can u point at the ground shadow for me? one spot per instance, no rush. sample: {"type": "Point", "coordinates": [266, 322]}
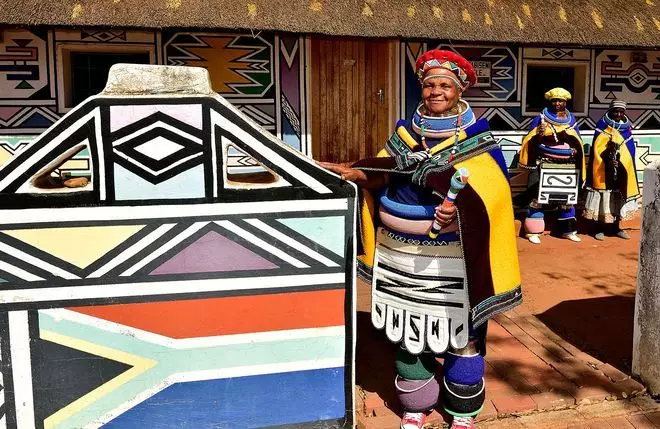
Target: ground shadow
{"type": "Point", "coordinates": [375, 354]}
{"type": "Point", "coordinates": [601, 327]}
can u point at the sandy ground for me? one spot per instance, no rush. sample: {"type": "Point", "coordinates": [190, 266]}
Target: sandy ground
{"type": "Point", "coordinates": [585, 292]}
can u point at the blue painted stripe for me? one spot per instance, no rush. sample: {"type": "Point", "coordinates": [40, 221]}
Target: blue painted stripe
{"type": "Point", "coordinates": [242, 402]}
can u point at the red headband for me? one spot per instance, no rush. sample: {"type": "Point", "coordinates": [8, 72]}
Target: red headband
{"type": "Point", "coordinates": [448, 60]}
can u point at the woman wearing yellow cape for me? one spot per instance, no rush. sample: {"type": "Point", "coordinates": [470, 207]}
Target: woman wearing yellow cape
{"type": "Point", "coordinates": [611, 175]}
{"type": "Point", "coordinates": [553, 153]}
{"type": "Point", "coordinates": [433, 294]}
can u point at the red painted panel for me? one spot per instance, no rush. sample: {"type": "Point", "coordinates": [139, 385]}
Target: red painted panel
{"type": "Point", "coordinates": [226, 316]}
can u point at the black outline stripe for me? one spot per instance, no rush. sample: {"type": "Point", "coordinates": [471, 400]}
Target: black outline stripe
{"type": "Point", "coordinates": [421, 277]}
{"type": "Point", "coordinates": [383, 287]}
{"type": "Point", "coordinates": [289, 250]}
{"type": "Point", "coordinates": [32, 269]}
{"type": "Point", "coordinates": [274, 223]}
{"type": "Point", "coordinates": [33, 329]}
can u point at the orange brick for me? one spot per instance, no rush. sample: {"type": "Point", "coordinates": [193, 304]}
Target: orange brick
{"type": "Point", "coordinates": [612, 373]}
{"type": "Point", "coordinates": [639, 421]}
{"type": "Point", "coordinates": [555, 399]}
{"type": "Point", "coordinates": [513, 404]}
{"type": "Point", "coordinates": [629, 387]}
{"type": "Point", "coordinates": [388, 421]}
{"type": "Point", "coordinates": [372, 402]}
{"type": "Point", "coordinates": [619, 423]}
{"type": "Point", "coordinates": [488, 413]}
{"type": "Point", "coordinates": [654, 418]}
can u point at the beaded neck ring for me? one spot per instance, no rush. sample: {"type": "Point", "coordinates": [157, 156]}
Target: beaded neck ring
{"type": "Point", "coordinates": [457, 124]}
{"type": "Point", "coordinates": [454, 148]}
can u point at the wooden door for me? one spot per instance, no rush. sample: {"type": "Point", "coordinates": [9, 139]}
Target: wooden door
{"type": "Point", "coordinates": [351, 98]}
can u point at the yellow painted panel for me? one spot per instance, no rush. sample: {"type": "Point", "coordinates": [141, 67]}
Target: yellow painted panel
{"type": "Point", "coordinates": [4, 156]}
{"type": "Point", "coordinates": [79, 246]}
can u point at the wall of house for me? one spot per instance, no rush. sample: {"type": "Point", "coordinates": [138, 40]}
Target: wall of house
{"type": "Point", "coordinates": [501, 92]}
{"type": "Point", "coordinates": [264, 75]}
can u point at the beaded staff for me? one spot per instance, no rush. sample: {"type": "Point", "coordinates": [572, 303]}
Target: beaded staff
{"type": "Point", "coordinates": [457, 182]}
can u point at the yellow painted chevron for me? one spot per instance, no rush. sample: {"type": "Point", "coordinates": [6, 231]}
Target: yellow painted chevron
{"type": "Point", "coordinates": [139, 365]}
{"type": "Point", "coordinates": [4, 155]}
{"type": "Point", "coordinates": [79, 246]}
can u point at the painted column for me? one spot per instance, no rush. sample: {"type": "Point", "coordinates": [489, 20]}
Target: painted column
{"type": "Point", "coordinates": [646, 337]}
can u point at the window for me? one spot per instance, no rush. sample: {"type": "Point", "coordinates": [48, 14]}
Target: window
{"type": "Point", "coordinates": [84, 68]}
{"type": "Point", "coordinates": [539, 77]}
{"type": "Point", "coordinates": [89, 71]}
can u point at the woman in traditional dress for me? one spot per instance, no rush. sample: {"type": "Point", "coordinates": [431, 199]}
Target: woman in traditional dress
{"type": "Point", "coordinates": [554, 142]}
{"type": "Point", "coordinates": [433, 292]}
{"type": "Point", "coordinates": [611, 175]}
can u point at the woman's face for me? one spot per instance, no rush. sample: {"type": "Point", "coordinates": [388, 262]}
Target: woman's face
{"type": "Point", "coordinates": [439, 94]}
{"type": "Point", "coordinates": [558, 104]}
{"type": "Point", "coordinates": [617, 114]}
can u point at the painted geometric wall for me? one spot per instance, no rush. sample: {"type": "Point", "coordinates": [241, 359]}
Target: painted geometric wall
{"type": "Point", "coordinates": [263, 75]}
{"type": "Point", "coordinates": [27, 81]}
{"type": "Point", "coordinates": [167, 289]}
{"type": "Point", "coordinates": [499, 93]}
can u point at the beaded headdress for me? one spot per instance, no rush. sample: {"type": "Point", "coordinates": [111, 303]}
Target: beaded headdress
{"type": "Point", "coordinates": [617, 104]}
{"type": "Point", "coordinates": [558, 93]}
{"type": "Point", "coordinates": [460, 69]}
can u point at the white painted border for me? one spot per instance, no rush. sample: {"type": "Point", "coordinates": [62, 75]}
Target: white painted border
{"type": "Point", "coordinates": [19, 337]}
{"type": "Point", "coordinates": [74, 293]}
{"type": "Point", "coordinates": [194, 342]}
{"type": "Point", "coordinates": [50, 215]}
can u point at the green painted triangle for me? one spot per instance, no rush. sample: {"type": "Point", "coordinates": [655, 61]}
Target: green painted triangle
{"type": "Point", "coordinates": [326, 231]}
{"type": "Point", "coordinates": [3, 281]}
{"type": "Point", "coordinates": [24, 85]}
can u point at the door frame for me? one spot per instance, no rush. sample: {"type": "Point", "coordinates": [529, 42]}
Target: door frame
{"type": "Point", "coordinates": [394, 73]}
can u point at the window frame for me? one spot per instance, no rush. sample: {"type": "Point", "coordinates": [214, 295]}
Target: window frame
{"type": "Point", "coordinates": [581, 100]}
{"type": "Point", "coordinates": [64, 69]}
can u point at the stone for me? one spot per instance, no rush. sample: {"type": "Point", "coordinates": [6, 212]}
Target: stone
{"type": "Point", "coordinates": [141, 79]}
{"type": "Point", "coordinates": [646, 333]}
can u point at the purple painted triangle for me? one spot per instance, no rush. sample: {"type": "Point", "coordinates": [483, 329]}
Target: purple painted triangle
{"type": "Point", "coordinates": [214, 253]}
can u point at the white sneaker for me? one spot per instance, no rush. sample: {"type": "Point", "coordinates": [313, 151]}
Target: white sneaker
{"type": "Point", "coordinates": [573, 237]}
{"type": "Point", "coordinates": [413, 420]}
{"type": "Point", "coordinates": [463, 423]}
{"type": "Point", "coordinates": [534, 238]}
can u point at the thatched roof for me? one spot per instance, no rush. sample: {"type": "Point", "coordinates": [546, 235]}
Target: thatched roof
{"type": "Point", "coordinates": [575, 22]}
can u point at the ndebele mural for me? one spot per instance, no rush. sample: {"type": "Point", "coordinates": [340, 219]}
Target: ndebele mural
{"type": "Point", "coordinates": [198, 274]}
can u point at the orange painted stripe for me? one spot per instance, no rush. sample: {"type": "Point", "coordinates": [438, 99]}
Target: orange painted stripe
{"type": "Point", "coordinates": [226, 316]}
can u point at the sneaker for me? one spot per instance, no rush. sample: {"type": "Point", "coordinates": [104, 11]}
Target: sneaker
{"type": "Point", "coordinates": [463, 423]}
{"type": "Point", "coordinates": [600, 236]}
{"type": "Point", "coordinates": [413, 420]}
{"type": "Point", "coordinates": [623, 234]}
{"type": "Point", "coordinates": [534, 238]}
{"type": "Point", "coordinates": [573, 237]}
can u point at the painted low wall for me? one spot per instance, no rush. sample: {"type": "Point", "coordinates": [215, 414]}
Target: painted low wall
{"type": "Point", "coordinates": [646, 334]}
{"type": "Point", "coordinates": [647, 144]}
{"type": "Point", "coordinates": [173, 289]}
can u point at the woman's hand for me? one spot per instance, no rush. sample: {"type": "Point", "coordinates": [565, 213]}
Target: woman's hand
{"type": "Point", "coordinates": [445, 215]}
{"type": "Point", "coordinates": [541, 129]}
{"type": "Point", "coordinates": [346, 172]}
